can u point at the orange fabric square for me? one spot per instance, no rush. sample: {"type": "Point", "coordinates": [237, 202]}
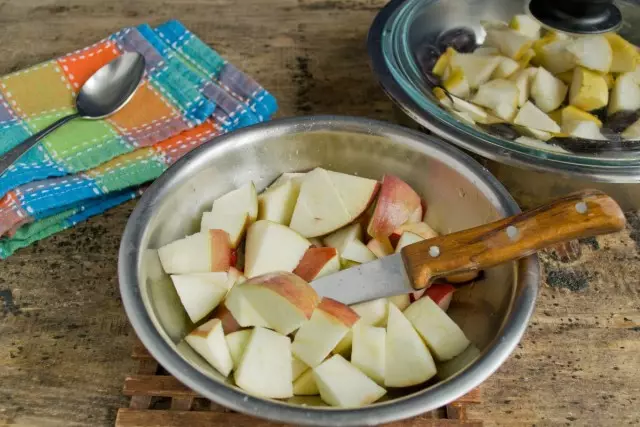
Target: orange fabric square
{"type": "Point", "coordinates": [146, 108]}
{"type": "Point", "coordinates": [40, 89]}
{"type": "Point", "coordinates": [80, 65]}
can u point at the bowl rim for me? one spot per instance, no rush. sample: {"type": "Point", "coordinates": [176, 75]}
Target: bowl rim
{"type": "Point", "coordinates": [129, 259]}
{"type": "Point", "coordinates": [502, 154]}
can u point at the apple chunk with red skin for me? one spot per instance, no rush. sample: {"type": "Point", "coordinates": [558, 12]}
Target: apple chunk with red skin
{"type": "Point", "coordinates": [208, 341]}
{"type": "Point", "coordinates": [199, 253]}
{"type": "Point", "coordinates": [381, 247]}
{"type": "Point", "coordinates": [318, 262]}
{"type": "Point", "coordinates": [200, 293]}
{"type": "Point", "coordinates": [441, 294]}
{"type": "Point", "coordinates": [282, 299]}
{"type": "Point", "coordinates": [396, 203]}
{"type": "Point", "coordinates": [329, 323]}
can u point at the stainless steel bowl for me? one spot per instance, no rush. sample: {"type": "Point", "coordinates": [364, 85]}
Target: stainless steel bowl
{"type": "Point", "coordinates": [460, 194]}
{"type": "Point", "coordinates": [402, 31]}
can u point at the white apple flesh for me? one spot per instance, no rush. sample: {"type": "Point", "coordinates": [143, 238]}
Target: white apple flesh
{"type": "Point", "coordinates": [368, 351]}
{"type": "Point", "coordinates": [208, 341]}
{"type": "Point", "coordinates": [200, 293]}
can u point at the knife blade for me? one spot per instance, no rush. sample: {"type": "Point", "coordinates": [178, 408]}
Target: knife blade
{"type": "Point", "coordinates": [381, 278]}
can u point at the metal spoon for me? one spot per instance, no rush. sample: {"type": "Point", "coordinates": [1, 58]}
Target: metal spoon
{"type": "Point", "coordinates": [106, 92]}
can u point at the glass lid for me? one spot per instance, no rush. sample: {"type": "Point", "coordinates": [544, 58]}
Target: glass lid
{"type": "Point", "coordinates": [486, 75]}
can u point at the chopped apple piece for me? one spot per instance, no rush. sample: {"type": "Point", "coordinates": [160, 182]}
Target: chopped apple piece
{"type": "Point", "coordinates": [396, 202]}
{"type": "Point", "coordinates": [525, 60]}
{"type": "Point", "coordinates": [442, 96]}
{"type": "Point", "coordinates": [350, 247]}
{"type": "Point", "coordinates": [368, 352]}
{"type": "Point", "coordinates": [208, 341]}
{"type": "Point", "coordinates": [625, 95]}
{"type": "Point", "coordinates": [441, 294]}
{"type": "Point", "coordinates": [239, 202]}
{"type": "Point", "coordinates": [416, 216]}
{"type": "Point", "coordinates": [632, 132]}
{"type": "Point", "coordinates": [318, 262]}
{"type": "Point", "coordinates": [461, 361]}
{"type": "Point", "coordinates": [298, 368]}
{"type": "Point", "coordinates": [547, 91]}
{"type": "Point", "coordinates": [625, 54]}
{"type": "Point", "coordinates": [532, 117]}
{"type": "Point", "coordinates": [242, 311]}
{"type": "Point", "coordinates": [199, 253]}
{"type": "Point", "coordinates": [407, 360]}
{"type": "Point", "coordinates": [200, 293]}
{"type": "Point", "coordinates": [265, 367]}
{"type": "Point", "coordinates": [305, 385]}
{"type": "Point", "coordinates": [588, 90]}
{"type": "Point", "coordinates": [587, 130]}
{"type": "Point", "coordinates": [277, 203]}
{"type": "Point", "coordinates": [381, 247]}
{"type": "Point", "coordinates": [499, 95]}
{"type": "Point", "coordinates": [272, 247]}
{"type": "Point", "coordinates": [283, 299]}
{"type": "Point", "coordinates": [234, 224]}
{"type": "Point", "coordinates": [237, 342]}
{"type": "Point", "coordinates": [407, 239]}
{"type": "Point", "coordinates": [329, 200]}
{"type": "Point", "coordinates": [371, 313]}
{"type": "Point", "coordinates": [476, 68]}
{"type": "Point", "coordinates": [487, 51]}
{"type": "Point", "coordinates": [573, 114]}
{"type": "Point", "coordinates": [592, 52]}
{"type": "Point", "coordinates": [478, 114]}
{"type": "Point", "coordinates": [329, 323]}
{"type": "Point", "coordinates": [510, 42]}
{"type": "Point", "coordinates": [400, 301]}
{"type": "Point", "coordinates": [342, 384]}
{"type": "Point", "coordinates": [505, 68]}
{"type": "Point", "coordinates": [555, 56]}
{"type": "Point", "coordinates": [456, 83]}
{"type": "Point", "coordinates": [526, 25]}
{"type": "Point", "coordinates": [444, 338]}
{"type": "Point", "coordinates": [523, 79]}
{"type": "Point", "coordinates": [443, 62]}
{"type": "Point", "coordinates": [229, 323]}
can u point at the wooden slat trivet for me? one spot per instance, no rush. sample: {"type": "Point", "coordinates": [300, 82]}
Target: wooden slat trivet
{"type": "Point", "coordinates": [160, 400]}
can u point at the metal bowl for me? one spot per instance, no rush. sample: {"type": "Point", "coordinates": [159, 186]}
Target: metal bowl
{"type": "Point", "coordinates": [460, 193]}
{"type": "Point", "coordinates": [403, 33]}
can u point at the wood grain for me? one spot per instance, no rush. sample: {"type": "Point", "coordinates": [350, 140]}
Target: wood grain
{"type": "Point", "coordinates": [65, 343]}
{"type": "Point", "coordinates": [584, 214]}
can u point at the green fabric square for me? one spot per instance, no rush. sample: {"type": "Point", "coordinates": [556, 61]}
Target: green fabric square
{"type": "Point", "coordinates": [82, 144]}
{"type": "Point", "coordinates": [130, 174]}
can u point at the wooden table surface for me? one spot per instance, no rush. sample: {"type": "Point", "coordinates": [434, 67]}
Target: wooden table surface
{"type": "Point", "coordinates": [64, 339]}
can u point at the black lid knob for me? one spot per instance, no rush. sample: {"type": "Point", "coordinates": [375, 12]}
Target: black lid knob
{"type": "Point", "coordinates": [577, 16]}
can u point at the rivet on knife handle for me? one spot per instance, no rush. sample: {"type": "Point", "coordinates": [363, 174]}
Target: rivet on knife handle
{"type": "Point", "coordinates": [579, 215]}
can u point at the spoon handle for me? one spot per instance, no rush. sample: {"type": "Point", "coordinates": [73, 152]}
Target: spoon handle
{"type": "Point", "coordinates": [584, 214]}
{"type": "Point", "coordinates": [7, 159]}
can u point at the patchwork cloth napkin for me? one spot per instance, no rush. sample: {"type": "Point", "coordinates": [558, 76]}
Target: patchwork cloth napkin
{"type": "Point", "coordinates": [188, 96]}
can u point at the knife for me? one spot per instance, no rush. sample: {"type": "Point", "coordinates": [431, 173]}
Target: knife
{"type": "Point", "coordinates": [579, 215]}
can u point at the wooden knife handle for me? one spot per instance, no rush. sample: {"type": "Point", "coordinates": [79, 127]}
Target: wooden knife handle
{"type": "Point", "coordinates": [583, 214]}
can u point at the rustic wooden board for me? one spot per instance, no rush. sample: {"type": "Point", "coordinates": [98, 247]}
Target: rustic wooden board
{"type": "Point", "coordinates": [64, 341]}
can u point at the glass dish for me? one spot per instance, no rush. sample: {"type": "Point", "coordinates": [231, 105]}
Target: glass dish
{"type": "Point", "coordinates": [401, 37]}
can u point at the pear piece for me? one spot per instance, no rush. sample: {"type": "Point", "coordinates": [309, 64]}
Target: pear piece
{"type": "Point", "coordinates": [625, 54]}
{"type": "Point", "coordinates": [499, 95]}
{"type": "Point", "coordinates": [592, 52]}
{"type": "Point", "coordinates": [532, 117]}
{"type": "Point", "coordinates": [547, 91]}
{"type": "Point", "coordinates": [476, 68]}
{"type": "Point", "coordinates": [625, 95]}
{"type": "Point", "coordinates": [588, 90]}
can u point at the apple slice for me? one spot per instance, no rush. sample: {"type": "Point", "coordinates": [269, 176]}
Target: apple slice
{"type": "Point", "coordinates": [499, 95]}
{"type": "Point", "coordinates": [371, 313]}
{"type": "Point", "coordinates": [283, 299]}
{"type": "Point", "coordinates": [265, 367]}
{"type": "Point", "coordinates": [525, 25]}
{"type": "Point", "coordinates": [272, 247]}
{"type": "Point", "coordinates": [478, 114]}
{"type": "Point", "coordinates": [239, 202]}
{"type": "Point", "coordinates": [456, 83]}
{"type": "Point", "coordinates": [295, 177]}
{"type": "Point", "coordinates": [625, 95]}
{"type": "Point", "coordinates": [442, 96]}
{"type": "Point", "coordinates": [407, 239]}
{"type": "Point", "coordinates": [408, 361]}
{"type": "Point", "coordinates": [458, 363]}
{"type": "Point", "coordinates": [381, 246]}
{"type": "Point", "coordinates": [506, 67]}
{"type": "Point", "coordinates": [593, 52]}
{"type": "Point", "coordinates": [477, 69]}
{"type": "Point", "coordinates": [443, 62]}
{"type": "Point", "coordinates": [234, 224]}
{"type": "Point", "coordinates": [632, 132]}
{"type": "Point", "coordinates": [441, 294]}
{"type": "Point", "coordinates": [305, 385]}
{"type": "Point", "coordinates": [444, 338]}
{"type": "Point", "coordinates": [329, 200]}
{"type": "Point", "coordinates": [523, 79]}
{"type": "Point", "coordinates": [237, 342]}
{"type": "Point", "coordinates": [318, 262]}
{"type": "Point", "coordinates": [242, 311]}
{"type": "Point", "coordinates": [400, 301]}
{"type": "Point", "coordinates": [208, 341]}
{"type": "Point", "coordinates": [200, 293]}
{"type": "Point", "coordinates": [342, 384]}
{"type": "Point", "coordinates": [625, 54]}
{"type": "Point", "coordinates": [588, 91]}
{"type": "Point", "coordinates": [276, 204]}
{"type": "Point", "coordinates": [555, 56]}
{"type": "Point", "coordinates": [329, 323]}
{"type": "Point", "coordinates": [510, 42]}
{"type": "Point", "coordinates": [532, 117]}
{"type": "Point", "coordinates": [350, 247]}
{"type": "Point", "coordinates": [547, 91]}
{"type": "Point", "coordinates": [571, 114]}
{"type": "Point", "coordinates": [199, 253]}
{"type": "Point", "coordinates": [587, 130]}
{"type": "Point", "coordinates": [368, 352]}
{"type": "Point", "coordinates": [396, 202]}
{"type": "Point", "coordinates": [298, 368]}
